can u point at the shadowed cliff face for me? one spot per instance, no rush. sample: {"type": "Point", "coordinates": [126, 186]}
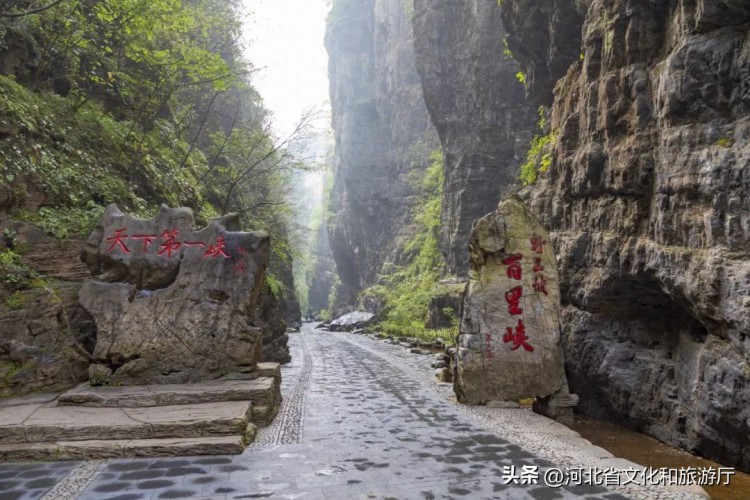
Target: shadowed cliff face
{"type": "Point", "coordinates": [648, 200]}
{"type": "Point", "coordinates": [381, 126]}
{"type": "Point", "coordinates": [324, 273]}
{"type": "Point", "coordinates": [478, 107]}
{"type": "Point", "coordinates": [545, 39]}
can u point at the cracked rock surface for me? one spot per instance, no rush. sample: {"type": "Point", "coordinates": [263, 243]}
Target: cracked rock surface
{"type": "Point", "coordinates": [168, 313]}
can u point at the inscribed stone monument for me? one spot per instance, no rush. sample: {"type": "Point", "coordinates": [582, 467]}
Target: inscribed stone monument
{"type": "Point", "coordinates": [509, 339]}
{"type": "Point", "coordinates": [172, 304]}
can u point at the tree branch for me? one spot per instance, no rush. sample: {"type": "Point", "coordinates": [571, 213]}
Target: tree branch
{"type": "Point", "coordinates": [30, 11]}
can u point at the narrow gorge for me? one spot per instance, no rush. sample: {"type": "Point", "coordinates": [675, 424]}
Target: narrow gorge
{"type": "Point", "coordinates": [391, 249]}
{"type": "Point", "coordinates": [630, 120]}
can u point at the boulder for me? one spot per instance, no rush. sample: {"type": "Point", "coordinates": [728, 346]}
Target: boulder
{"type": "Point", "coordinates": [509, 338]}
{"type": "Point", "coordinates": [351, 321]}
{"type": "Point", "coordinates": [172, 304]}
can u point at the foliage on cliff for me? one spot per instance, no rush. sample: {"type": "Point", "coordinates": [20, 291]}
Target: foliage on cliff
{"type": "Point", "coordinates": [539, 156]}
{"type": "Point", "coordinates": [139, 103]}
{"type": "Point", "coordinates": [406, 290]}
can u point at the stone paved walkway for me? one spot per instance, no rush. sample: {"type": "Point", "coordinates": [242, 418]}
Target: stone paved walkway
{"type": "Point", "coordinates": [360, 420]}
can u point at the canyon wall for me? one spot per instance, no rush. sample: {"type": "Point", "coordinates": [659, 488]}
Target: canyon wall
{"type": "Point", "coordinates": [478, 107]}
{"type": "Point", "coordinates": [383, 134]}
{"type": "Point", "coordinates": [323, 273]}
{"type": "Point", "coordinates": [648, 201]}
{"type": "Point", "coordinates": [647, 195]}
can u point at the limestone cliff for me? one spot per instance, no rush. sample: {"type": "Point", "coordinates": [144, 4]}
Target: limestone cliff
{"type": "Point", "coordinates": [478, 107]}
{"type": "Point", "coordinates": [383, 132]}
{"type": "Point", "coordinates": [324, 273]}
{"type": "Point", "coordinates": [648, 201]}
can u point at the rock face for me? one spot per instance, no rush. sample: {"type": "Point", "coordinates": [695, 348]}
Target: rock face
{"type": "Point", "coordinates": [544, 59]}
{"type": "Point", "coordinates": [270, 319]}
{"type": "Point", "coordinates": [324, 273]}
{"type": "Point", "coordinates": [442, 311]}
{"type": "Point", "coordinates": [287, 303]}
{"type": "Point", "coordinates": [509, 340]}
{"type": "Point", "coordinates": [383, 133]}
{"type": "Point", "coordinates": [648, 201]}
{"type": "Point", "coordinates": [44, 340]}
{"type": "Point", "coordinates": [478, 107]}
{"type": "Point", "coordinates": [45, 335]}
{"type": "Point", "coordinates": [177, 307]}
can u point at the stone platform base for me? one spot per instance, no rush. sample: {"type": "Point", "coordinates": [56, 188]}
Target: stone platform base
{"type": "Point", "coordinates": [211, 418]}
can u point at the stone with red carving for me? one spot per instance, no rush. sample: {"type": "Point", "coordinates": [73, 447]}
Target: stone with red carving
{"type": "Point", "coordinates": [166, 309]}
{"type": "Point", "coordinates": [511, 309]}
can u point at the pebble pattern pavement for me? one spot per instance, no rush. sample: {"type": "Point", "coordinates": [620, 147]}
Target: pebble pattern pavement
{"type": "Point", "coordinates": [360, 419]}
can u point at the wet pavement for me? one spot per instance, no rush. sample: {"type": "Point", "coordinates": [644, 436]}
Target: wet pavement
{"type": "Point", "coordinates": [352, 426]}
{"type": "Point", "coordinates": [31, 480]}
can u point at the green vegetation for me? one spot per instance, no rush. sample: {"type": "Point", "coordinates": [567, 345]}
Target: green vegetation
{"type": "Point", "coordinates": [508, 54]}
{"type": "Point", "coordinates": [139, 103]}
{"type": "Point", "coordinates": [276, 286]}
{"type": "Point", "coordinates": [9, 258]}
{"type": "Point", "coordinates": [521, 77]}
{"type": "Point", "coordinates": [539, 156]}
{"type": "Point", "coordinates": [407, 289]}
{"type": "Point", "coordinates": [311, 222]}
{"type": "Point", "coordinates": [14, 274]}
{"type": "Point", "coordinates": [408, 6]}
{"type": "Point", "coordinates": [332, 297]}
{"type": "Point", "coordinates": [724, 142]}
{"type": "Point", "coordinates": [15, 300]}
{"type": "Point", "coordinates": [64, 222]}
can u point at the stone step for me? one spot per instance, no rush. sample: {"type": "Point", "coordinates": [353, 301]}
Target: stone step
{"type": "Point", "coordinates": [102, 449]}
{"type": "Point", "coordinates": [260, 391]}
{"type": "Point", "coordinates": [267, 369]}
{"type": "Point", "coordinates": [42, 423]}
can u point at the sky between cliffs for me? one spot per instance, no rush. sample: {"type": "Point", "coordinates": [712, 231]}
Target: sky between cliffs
{"type": "Point", "coordinates": [285, 40]}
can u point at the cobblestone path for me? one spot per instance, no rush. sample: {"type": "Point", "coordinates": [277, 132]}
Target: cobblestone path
{"type": "Point", "coordinates": [354, 424]}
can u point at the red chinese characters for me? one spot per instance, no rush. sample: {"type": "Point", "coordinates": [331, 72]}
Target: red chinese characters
{"type": "Point", "coordinates": [117, 240]}
{"type": "Point", "coordinates": [189, 244]}
{"type": "Point", "coordinates": [513, 298]}
{"type": "Point", "coordinates": [169, 244]}
{"type": "Point", "coordinates": [537, 244]}
{"type": "Point", "coordinates": [538, 267]}
{"type": "Point", "coordinates": [517, 337]}
{"type": "Point", "coordinates": [147, 240]}
{"type": "Point", "coordinates": [488, 346]}
{"type": "Point", "coordinates": [540, 284]}
{"type": "Point", "coordinates": [216, 250]}
{"type": "Point", "coordinates": [240, 267]}
{"type": "Point", "coordinates": [513, 263]}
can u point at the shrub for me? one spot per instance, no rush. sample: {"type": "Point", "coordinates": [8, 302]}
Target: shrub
{"type": "Point", "coordinates": [539, 156]}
